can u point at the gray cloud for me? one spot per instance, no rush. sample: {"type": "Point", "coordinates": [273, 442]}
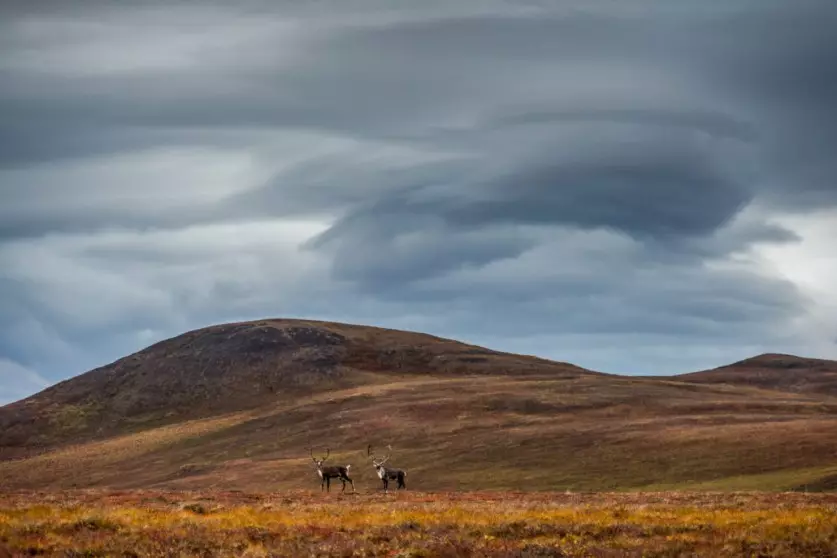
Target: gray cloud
{"type": "Point", "coordinates": [715, 124]}
{"type": "Point", "coordinates": [508, 171]}
{"type": "Point", "coordinates": [649, 193]}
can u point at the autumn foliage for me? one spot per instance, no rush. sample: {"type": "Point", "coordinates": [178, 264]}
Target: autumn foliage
{"type": "Point", "coordinates": [154, 523]}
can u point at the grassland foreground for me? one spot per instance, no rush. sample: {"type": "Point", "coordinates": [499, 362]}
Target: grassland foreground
{"type": "Point", "coordinates": [417, 524]}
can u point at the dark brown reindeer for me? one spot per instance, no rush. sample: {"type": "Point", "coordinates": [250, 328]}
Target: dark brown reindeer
{"type": "Point", "coordinates": [387, 474]}
{"type": "Point", "coordinates": [328, 472]}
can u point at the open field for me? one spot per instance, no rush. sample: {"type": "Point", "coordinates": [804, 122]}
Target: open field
{"type": "Point", "coordinates": [304, 523]}
{"type": "Point", "coordinates": [483, 433]}
{"type": "Point", "coordinates": [479, 433]}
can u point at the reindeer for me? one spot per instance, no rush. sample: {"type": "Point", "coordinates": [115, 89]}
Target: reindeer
{"type": "Point", "coordinates": [387, 474]}
{"type": "Point", "coordinates": [329, 472]}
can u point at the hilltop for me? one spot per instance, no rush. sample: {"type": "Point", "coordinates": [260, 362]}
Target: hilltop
{"type": "Point", "coordinates": [238, 405]}
{"type": "Point", "coordinates": [774, 371]}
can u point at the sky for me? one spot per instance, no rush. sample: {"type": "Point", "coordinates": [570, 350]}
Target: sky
{"type": "Point", "coordinates": [634, 186]}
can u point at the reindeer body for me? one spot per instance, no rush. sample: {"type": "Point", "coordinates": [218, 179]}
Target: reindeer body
{"type": "Point", "coordinates": [387, 474]}
{"type": "Point", "coordinates": [334, 472]}
{"type": "Point", "coordinates": [328, 472]}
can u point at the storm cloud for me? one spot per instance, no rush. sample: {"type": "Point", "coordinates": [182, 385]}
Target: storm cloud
{"type": "Point", "coordinates": [637, 187]}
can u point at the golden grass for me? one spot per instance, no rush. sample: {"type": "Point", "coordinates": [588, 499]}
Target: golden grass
{"type": "Point", "coordinates": [82, 458]}
{"type": "Point", "coordinates": [154, 523]}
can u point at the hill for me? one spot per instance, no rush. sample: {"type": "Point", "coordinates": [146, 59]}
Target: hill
{"type": "Point", "coordinates": [237, 406]}
{"type": "Point", "coordinates": [773, 371]}
{"type": "Point", "coordinates": [239, 366]}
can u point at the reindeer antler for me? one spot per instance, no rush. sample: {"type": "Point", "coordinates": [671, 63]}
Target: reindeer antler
{"type": "Point", "coordinates": [328, 452]}
{"type": "Point", "coordinates": [371, 456]}
{"type": "Point", "coordinates": [387, 457]}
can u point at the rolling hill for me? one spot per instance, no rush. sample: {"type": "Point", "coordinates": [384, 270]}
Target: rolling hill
{"type": "Point", "coordinates": [774, 371]}
{"type": "Point", "coordinates": [237, 406]}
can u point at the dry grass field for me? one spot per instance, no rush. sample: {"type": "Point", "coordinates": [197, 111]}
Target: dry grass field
{"type": "Point", "coordinates": [304, 523]}
{"type": "Point", "coordinates": [236, 407]}
{"type": "Point", "coordinates": [482, 433]}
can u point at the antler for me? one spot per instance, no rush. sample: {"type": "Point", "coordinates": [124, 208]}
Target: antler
{"type": "Point", "coordinates": [387, 457]}
{"type": "Point", "coordinates": [377, 463]}
{"type": "Point", "coordinates": [371, 456]}
{"type": "Point", "coordinates": [328, 452]}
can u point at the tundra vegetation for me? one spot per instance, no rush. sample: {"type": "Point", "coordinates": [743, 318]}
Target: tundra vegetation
{"type": "Point", "coordinates": [419, 524]}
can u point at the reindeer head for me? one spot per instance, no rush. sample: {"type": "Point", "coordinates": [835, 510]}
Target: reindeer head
{"type": "Point", "coordinates": [319, 462]}
{"type": "Point", "coordinates": [378, 463]}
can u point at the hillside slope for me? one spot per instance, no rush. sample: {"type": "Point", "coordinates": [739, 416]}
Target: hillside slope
{"type": "Point", "coordinates": [237, 406]}
{"type": "Point", "coordinates": [773, 371]}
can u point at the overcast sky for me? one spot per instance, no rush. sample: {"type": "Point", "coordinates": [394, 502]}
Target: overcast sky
{"type": "Point", "coordinates": [633, 186]}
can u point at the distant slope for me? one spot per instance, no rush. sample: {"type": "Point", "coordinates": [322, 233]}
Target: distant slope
{"type": "Point", "coordinates": [237, 406]}
{"type": "Point", "coordinates": [773, 371]}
